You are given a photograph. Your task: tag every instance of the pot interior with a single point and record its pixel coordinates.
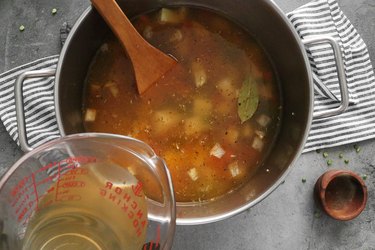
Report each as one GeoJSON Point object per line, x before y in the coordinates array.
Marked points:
{"type": "Point", "coordinates": [268, 25]}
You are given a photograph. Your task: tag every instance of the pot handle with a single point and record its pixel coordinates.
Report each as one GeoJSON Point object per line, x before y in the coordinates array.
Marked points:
{"type": "Point", "coordinates": [18, 94]}
{"type": "Point", "coordinates": [344, 93]}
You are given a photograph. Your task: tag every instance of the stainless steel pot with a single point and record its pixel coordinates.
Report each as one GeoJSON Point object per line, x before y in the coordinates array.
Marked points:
{"type": "Point", "coordinates": [266, 22]}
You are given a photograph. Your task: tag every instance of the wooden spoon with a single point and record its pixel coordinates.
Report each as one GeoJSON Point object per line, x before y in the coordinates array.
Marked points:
{"type": "Point", "coordinates": [149, 63]}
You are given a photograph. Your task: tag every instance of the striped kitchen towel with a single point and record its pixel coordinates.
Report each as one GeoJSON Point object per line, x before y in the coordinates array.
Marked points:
{"type": "Point", "coordinates": [40, 117]}
{"type": "Point", "coordinates": [319, 17]}
{"type": "Point", "coordinates": [324, 17]}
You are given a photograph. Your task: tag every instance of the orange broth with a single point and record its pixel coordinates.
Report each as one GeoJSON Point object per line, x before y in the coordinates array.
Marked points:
{"type": "Point", "coordinates": [191, 116]}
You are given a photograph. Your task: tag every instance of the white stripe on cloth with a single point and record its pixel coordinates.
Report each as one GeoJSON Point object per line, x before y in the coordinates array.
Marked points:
{"type": "Point", "coordinates": [318, 17]}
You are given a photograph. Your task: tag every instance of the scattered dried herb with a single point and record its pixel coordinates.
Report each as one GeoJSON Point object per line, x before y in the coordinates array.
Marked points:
{"type": "Point", "coordinates": [303, 180]}
{"type": "Point", "coordinates": [329, 162]}
{"type": "Point", "coordinates": [364, 177]}
{"type": "Point", "coordinates": [22, 28]}
{"type": "Point", "coordinates": [325, 154]}
{"type": "Point", "coordinates": [341, 156]}
{"type": "Point", "coordinates": [358, 149]}
{"type": "Point", "coordinates": [318, 151]}
{"type": "Point", "coordinates": [346, 161]}
{"type": "Point", "coordinates": [54, 11]}
{"type": "Point", "coordinates": [248, 99]}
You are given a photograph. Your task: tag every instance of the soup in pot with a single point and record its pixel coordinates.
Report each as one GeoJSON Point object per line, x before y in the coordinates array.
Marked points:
{"type": "Point", "coordinates": [213, 118]}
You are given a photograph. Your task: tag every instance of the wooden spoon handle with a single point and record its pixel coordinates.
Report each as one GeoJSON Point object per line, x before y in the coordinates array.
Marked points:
{"type": "Point", "coordinates": [149, 63]}
{"type": "Point", "coordinates": [119, 24]}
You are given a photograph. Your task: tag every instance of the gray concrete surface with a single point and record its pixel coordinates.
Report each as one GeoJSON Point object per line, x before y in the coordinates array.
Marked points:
{"type": "Point", "coordinates": [287, 218]}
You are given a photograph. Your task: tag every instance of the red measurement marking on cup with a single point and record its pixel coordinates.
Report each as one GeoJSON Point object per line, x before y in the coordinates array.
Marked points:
{"type": "Point", "coordinates": [25, 196]}
{"type": "Point", "coordinates": [154, 244]}
{"type": "Point", "coordinates": [26, 201]}
{"type": "Point", "coordinates": [35, 191]}
{"type": "Point", "coordinates": [66, 182]}
{"type": "Point", "coordinates": [137, 189]}
{"type": "Point", "coordinates": [45, 168]}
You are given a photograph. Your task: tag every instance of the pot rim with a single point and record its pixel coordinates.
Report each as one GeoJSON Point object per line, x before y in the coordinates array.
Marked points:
{"type": "Point", "coordinates": [226, 215]}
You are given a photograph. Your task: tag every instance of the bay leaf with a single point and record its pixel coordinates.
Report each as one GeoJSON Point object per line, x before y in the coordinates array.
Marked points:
{"type": "Point", "coordinates": [248, 99]}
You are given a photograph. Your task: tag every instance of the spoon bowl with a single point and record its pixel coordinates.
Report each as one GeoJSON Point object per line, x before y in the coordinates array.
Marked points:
{"type": "Point", "coordinates": [341, 193]}
{"type": "Point", "coordinates": [149, 63]}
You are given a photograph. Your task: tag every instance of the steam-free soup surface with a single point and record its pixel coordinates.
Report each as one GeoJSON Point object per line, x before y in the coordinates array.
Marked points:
{"type": "Point", "coordinates": [212, 118]}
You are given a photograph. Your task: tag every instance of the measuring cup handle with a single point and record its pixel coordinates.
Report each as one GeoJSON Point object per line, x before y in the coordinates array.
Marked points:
{"type": "Point", "coordinates": [344, 93]}
{"type": "Point", "coordinates": [18, 94]}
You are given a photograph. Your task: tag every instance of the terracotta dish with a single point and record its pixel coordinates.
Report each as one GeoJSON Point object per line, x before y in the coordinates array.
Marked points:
{"type": "Point", "coordinates": [342, 194]}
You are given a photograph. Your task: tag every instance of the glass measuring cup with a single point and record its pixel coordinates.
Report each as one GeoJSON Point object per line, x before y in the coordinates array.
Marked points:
{"type": "Point", "coordinates": [88, 191]}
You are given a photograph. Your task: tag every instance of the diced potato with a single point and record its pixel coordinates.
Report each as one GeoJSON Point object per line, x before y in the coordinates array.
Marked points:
{"type": "Point", "coordinates": [90, 115]}
{"type": "Point", "coordinates": [172, 16]}
{"type": "Point", "coordinates": [231, 135]}
{"type": "Point", "coordinates": [217, 151]}
{"type": "Point", "coordinates": [109, 84]}
{"type": "Point", "coordinates": [227, 89]}
{"type": "Point", "coordinates": [147, 32]}
{"type": "Point", "coordinates": [132, 170]}
{"type": "Point", "coordinates": [176, 36]}
{"type": "Point", "coordinates": [202, 106]}
{"type": "Point", "coordinates": [199, 73]}
{"type": "Point", "coordinates": [234, 169]}
{"type": "Point", "coordinates": [193, 173]}
{"type": "Point", "coordinates": [165, 120]}
{"type": "Point", "coordinates": [195, 125]}
{"type": "Point", "coordinates": [112, 87]}
{"type": "Point", "coordinates": [263, 120]}
{"type": "Point", "coordinates": [260, 134]}
{"type": "Point", "coordinates": [114, 90]}
{"type": "Point", "coordinates": [258, 144]}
